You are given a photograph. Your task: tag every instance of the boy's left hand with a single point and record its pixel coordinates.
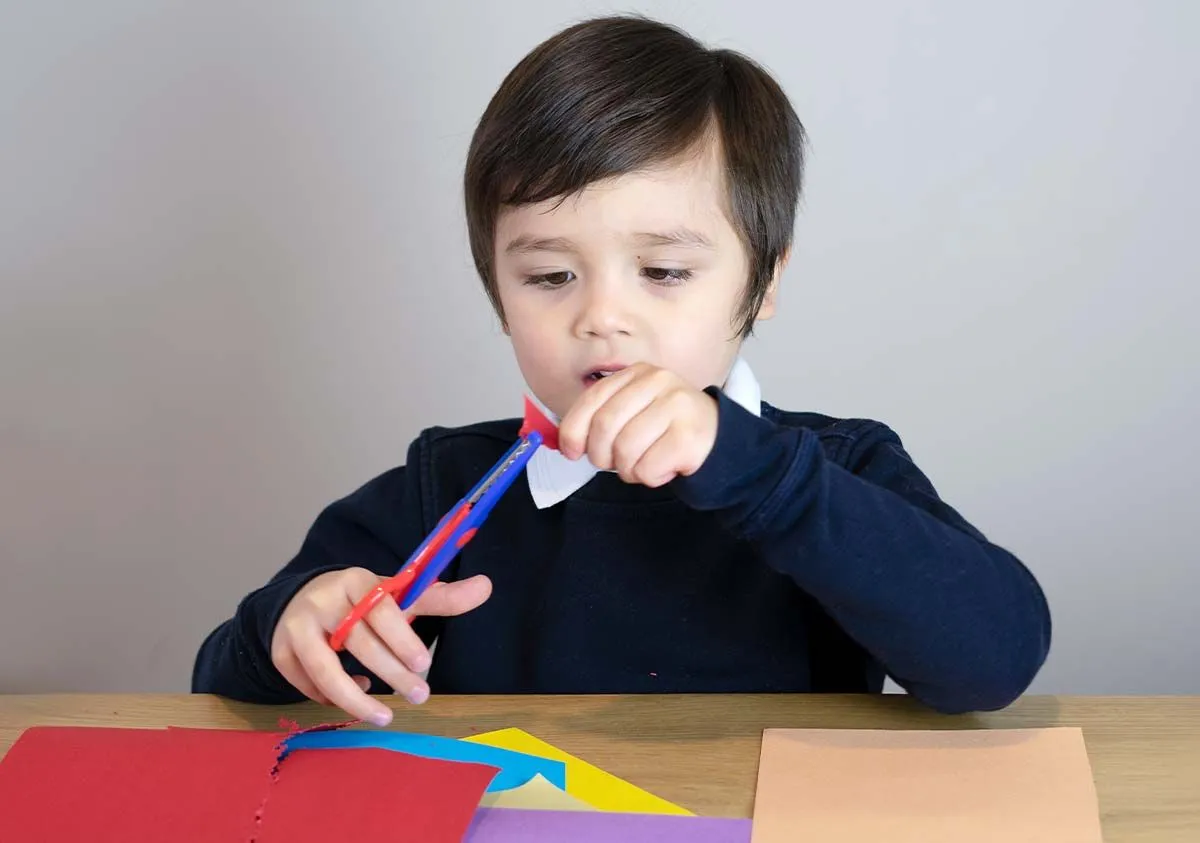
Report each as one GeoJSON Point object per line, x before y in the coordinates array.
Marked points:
{"type": "Point", "coordinates": [646, 423]}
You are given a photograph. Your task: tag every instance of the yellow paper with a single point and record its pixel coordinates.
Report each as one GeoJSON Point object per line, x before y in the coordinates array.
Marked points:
{"type": "Point", "coordinates": [539, 794]}
{"type": "Point", "coordinates": [584, 781]}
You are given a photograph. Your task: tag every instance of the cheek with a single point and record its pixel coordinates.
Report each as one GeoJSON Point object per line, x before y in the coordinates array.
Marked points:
{"type": "Point", "coordinates": [528, 340]}
{"type": "Point", "coordinates": [534, 345]}
{"type": "Point", "coordinates": [529, 323]}
{"type": "Point", "coordinates": [702, 360]}
{"type": "Point", "coordinates": [708, 316]}
{"type": "Point", "coordinates": [525, 313]}
{"type": "Point", "coordinates": [703, 343]}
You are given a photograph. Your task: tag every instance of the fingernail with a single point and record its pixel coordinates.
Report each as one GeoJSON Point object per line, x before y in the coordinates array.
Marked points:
{"type": "Point", "coordinates": [382, 718]}
{"type": "Point", "coordinates": [418, 695]}
{"type": "Point", "coordinates": [422, 662]}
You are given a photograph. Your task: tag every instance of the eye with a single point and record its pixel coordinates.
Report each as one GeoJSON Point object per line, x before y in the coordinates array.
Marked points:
{"type": "Point", "coordinates": [665, 277]}
{"type": "Point", "coordinates": [550, 280]}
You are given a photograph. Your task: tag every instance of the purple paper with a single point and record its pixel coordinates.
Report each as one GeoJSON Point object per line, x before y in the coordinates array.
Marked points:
{"type": "Point", "coordinates": [513, 825]}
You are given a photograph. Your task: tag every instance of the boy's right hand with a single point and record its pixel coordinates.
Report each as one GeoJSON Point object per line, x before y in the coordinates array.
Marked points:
{"type": "Point", "coordinates": [383, 641]}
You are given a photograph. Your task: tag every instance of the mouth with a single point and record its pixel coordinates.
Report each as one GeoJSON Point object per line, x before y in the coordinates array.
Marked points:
{"type": "Point", "coordinates": [597, 375]}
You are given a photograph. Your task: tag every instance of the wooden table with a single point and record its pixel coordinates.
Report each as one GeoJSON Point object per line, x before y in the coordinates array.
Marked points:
{"type": "Point", "coordinates": [702, 751]}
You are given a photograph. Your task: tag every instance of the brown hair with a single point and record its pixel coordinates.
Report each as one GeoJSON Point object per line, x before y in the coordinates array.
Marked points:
{"type": "Point", "coordinates": [616, 94]}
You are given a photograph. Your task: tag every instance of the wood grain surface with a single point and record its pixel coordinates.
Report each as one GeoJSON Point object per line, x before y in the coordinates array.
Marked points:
{"type": "Point", "coordinates": [702, 751]}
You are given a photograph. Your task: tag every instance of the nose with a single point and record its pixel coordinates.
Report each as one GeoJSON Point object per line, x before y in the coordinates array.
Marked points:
{"type": "Point", "coordinates": [604, 309]}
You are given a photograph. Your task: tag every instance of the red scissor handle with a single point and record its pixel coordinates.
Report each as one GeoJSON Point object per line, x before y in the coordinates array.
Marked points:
{"type": "Point", "coordinates": [396, 586]}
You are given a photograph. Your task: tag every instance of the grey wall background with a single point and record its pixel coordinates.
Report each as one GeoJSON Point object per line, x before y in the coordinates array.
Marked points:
{"type": "Point", "coordinates": [234, 283]}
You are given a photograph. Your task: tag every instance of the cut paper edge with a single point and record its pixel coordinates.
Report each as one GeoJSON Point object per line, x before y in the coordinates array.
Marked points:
{"type": "Point", "coordinates": [287, 729]}
{"type": "Point", "coordinates": [538, 418]}
{"type": "Point", "coordinates": [250, 763]}
{"type": "Point", "coordinates": [319, 793]}
{"type": "Point", "coordinates": [294, 728]}
{"type": "Point", "coordinates": [585, 781]}
{"type": "Point", "coordinates": [291, 729]}
{"type": "Point", "coordinates": [537, 794]}
{"type": "Point", "coordinates": [516, 768]}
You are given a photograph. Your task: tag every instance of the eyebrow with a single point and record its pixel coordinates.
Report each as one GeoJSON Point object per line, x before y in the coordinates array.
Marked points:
{"type": "Point", "coordinates": [525, 244]}
{"type": "Point", "coordinates": [685, 237]}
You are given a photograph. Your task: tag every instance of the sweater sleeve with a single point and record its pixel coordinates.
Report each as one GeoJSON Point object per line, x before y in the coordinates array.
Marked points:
{"type": "Point", "coordinates": [376, 527]}
{"type": "Point", "coordinates": [958, 622]}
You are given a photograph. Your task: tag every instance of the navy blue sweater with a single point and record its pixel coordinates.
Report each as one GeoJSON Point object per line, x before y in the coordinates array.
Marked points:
{"type": "Point", "coordinates": [808, 554]}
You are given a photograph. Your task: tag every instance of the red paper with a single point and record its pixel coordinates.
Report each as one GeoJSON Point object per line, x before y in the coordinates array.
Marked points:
{"type": "Point", "coordinates": [537, 420]}
{"type": "Point", "coordinates": [212, 785]}
{"type": "Point", "coordinates": [118, 785]}
{"type": "Point", "coordinates": [371, 794]}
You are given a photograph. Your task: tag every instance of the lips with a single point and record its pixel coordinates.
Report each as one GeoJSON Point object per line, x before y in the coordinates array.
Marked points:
{"type": "Point", "coordinates": [599, 374]}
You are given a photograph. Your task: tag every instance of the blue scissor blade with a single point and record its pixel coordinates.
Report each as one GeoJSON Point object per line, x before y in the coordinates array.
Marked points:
{"type": "Point", "coordinates": [485, 496]}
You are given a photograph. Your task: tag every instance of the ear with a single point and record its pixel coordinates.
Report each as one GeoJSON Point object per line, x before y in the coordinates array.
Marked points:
{"type": "Point", "coordinates": [768, 303]}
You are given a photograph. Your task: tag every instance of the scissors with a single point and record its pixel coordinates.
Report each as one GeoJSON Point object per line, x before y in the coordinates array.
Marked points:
{"type": "Point", "coordinates": [456, 528]}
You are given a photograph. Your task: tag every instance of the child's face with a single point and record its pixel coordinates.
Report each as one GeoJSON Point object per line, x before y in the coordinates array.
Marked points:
{"type": "Point", "coordinates": [645, 267]}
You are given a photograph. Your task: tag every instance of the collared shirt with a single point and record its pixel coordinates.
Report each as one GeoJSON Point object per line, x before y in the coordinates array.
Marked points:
{"type": "Point", "coordinates": [807, 554]}
{"type": "Point", "coordinates": [553, 478]}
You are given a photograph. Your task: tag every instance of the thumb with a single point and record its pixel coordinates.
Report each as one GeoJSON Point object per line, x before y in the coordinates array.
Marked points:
{"type": "Point", "coordinates": [446, 599]}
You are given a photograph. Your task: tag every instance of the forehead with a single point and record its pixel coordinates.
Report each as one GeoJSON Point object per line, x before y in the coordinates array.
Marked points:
{"type": "Point", "coordinates": [685, 193]}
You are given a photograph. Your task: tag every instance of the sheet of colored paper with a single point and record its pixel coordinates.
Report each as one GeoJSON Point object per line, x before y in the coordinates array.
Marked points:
{"type": "Point", "coordinates": [985, 786]}
{"type": "Point", "coordinates": [594, 786]}
{"type": "Point", "coordinates": [516, 768]}
{"type": "Point", "coordinates": [537, 794]}
{"type": "Point", "coordinates": [102, 785]}
{"type": "Point", "coordinates": [371, 794]}
{"type": "Point", "coordinates": [503, 825]}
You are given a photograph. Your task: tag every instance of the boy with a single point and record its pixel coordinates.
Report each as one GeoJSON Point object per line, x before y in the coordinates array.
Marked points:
{"type": "Point", "coordinates": [630, 199]}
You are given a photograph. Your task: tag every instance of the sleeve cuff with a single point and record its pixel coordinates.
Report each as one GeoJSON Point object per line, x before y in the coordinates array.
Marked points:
{"type": "Point", "coordinates": [262, 609]}
{"type": "Point", "coordinates": [739, 470]}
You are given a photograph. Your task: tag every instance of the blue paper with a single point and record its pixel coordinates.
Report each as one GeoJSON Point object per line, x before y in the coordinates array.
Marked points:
{"type": "Point", "coordinates": [516, 768]}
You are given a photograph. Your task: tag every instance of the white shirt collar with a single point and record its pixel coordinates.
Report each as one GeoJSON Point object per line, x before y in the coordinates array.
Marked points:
{"type": "Point", "coordinates": [553, 478]}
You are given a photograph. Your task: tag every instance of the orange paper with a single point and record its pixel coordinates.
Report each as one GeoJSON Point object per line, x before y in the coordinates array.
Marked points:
{"type": "Point", "coordinates": [982, 786]}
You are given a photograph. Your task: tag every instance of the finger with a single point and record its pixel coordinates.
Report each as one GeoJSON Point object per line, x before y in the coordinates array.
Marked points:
{"type": "Point", "coordinates": [636, 438]}
{"type": "Point", "coordinates": [390, 624]}
{"type": "Point", "coordinates": [322, 666]}
{"type": "Point", "coordinates": [356, 583]}
{"type": "Point", "coordinates": [375, 656]}
{"type": "Point", "coordinates": [662, 463]}
{"type": "Point", "coordinates": [446, 599]}
{"type": "Point", "coordinates": [609, 421]}
{"type": "Point", "coordinates": [289, 667]}
{"type": "Point", "coordinates": [573, 429]}
{"type": "Point", "coordinates": [618, 403]}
